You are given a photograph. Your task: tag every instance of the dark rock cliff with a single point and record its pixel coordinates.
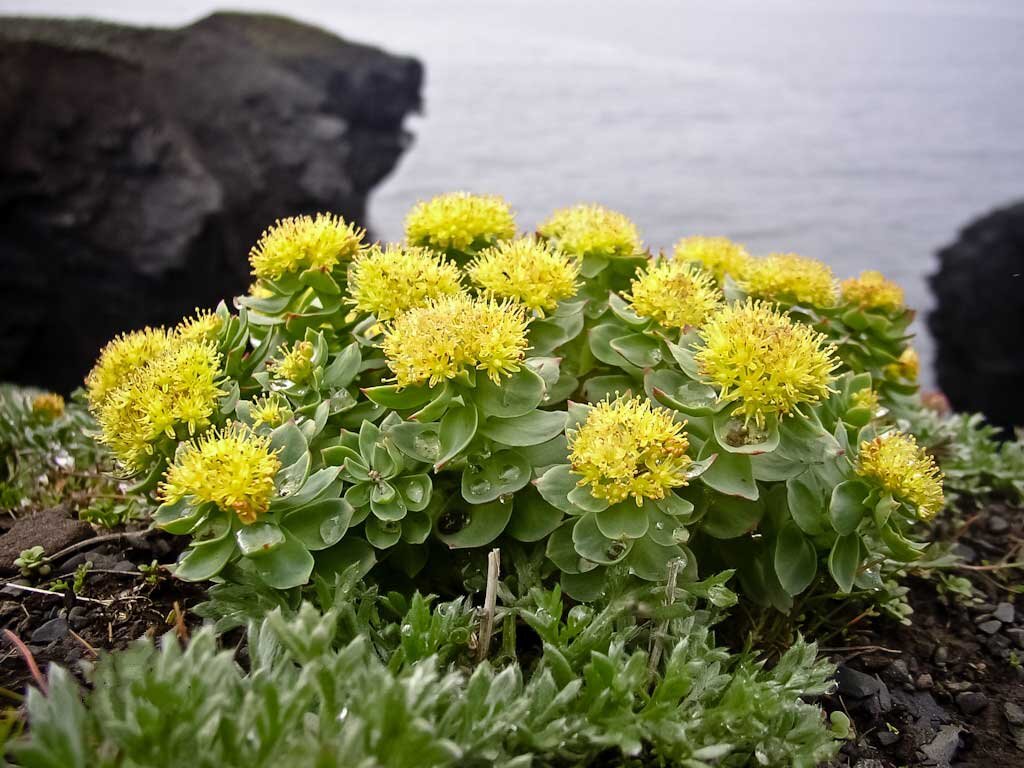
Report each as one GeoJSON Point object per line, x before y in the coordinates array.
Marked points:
{"type": "Point", "coordinates": [138, 165]}
{"type": "Point", "coordinates": [978, 322]}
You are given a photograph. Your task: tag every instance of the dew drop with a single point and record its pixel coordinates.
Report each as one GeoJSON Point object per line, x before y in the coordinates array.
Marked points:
{"type": "Point", "coordinates": [428, 446]}
{"type": "Point", "coordinates": [414, 493]}
{"type": "Point", "coordinates": [509, 473]}
{"type": "Point", "coordinates": [480, 486]}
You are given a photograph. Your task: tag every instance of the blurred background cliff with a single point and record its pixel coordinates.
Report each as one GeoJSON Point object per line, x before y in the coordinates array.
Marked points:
{"type": "Point", "coordinates": [137, 166]}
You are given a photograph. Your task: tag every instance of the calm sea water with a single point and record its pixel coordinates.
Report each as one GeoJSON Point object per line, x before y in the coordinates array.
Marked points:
{"type": "Point", "coordinates": [862, 132]}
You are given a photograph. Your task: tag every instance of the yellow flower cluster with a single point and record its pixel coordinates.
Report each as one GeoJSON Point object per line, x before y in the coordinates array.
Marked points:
{"type": "Point", "coordinates": [675, 293]}
{"type": "Point", "coordinates": [122, 356]}
{"type": "Point", "coordinates": [301, 242]}
{"type": "Point", "coordinates": [789, 278]}
{"type": "Point", "coordinates": [460, 221]}
{"type": "Point", "coordinates": [50, 406]}
{"type": "Point", "coordinates": [867, 399]}
{"type": "Point", "coordinates": [904, 469]}
{"type": "Point", "coordinates": [232, 468]}
{"type": "Point", "coordinates": [908, 366]}
{"type": "Point", "coordinates": [295, 363]}
{"type": "Point", "coordinates": [718, 255]}
{"type": "Point", "coordinates": [627, 448]}
{"type": "Point", "coordinates": [269, 409]}
{"type": "Point", "coordinates": [528, 270]}
{"type": "Point", "coordinates": [441, 339]}
{"type": "Point", "coordinates": [761, 359]}
{"type": "Point", "coordinates": [176, 388]}
{"type": "Point", "coordinates": [388, 281]}
{"type": "Point", "coordinates": [592, 230]}
{"type": "Point", "coordinates": [872, 291]}
{"type": "Point", "coordinates": [203, 326]}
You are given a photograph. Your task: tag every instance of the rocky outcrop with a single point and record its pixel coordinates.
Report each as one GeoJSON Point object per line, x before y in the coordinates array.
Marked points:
{"type": "Point", "coordinates": [137, 166]}
{"type": "Point", "coordinates": [978, 322]}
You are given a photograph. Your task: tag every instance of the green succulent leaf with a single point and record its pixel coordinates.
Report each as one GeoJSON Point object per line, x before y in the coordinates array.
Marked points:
{"type": "Point", "coordinates": [458, 428]}
{"type": "Point", "coordinates": [625, 520]}
{"type": "Point", "coordinates": [796, 560]}
{"type": "Point", "coordinates": [500, 474]}
{"type": "Point", "coordinates": [556, 484]}
{"type": "Point", "coordinates": [287, 566]}
{"type": "Point", "coordinates": [473, 525]}
{"type": "Point", "coordinates": [529, 429]}
{"type": "Point", "coordinates": [397, 398]}
{"type": "Point", "coordinates": [533, 518]}
{"type": "Point", "coordinates": [731, 473]}
{"type": "Point", "coordinates": [728, 517]}
{"type": "Point", "coordinates": [594, 546]}
{"type": "Point", "coordinates": [848, 506]}
{"type": "Point", "coordinates": [516, 395]}
{"type": "Point", "coordinates": [321, 524]}
{"type": "Point", "coordinates": [844, 561]}
{"type": "Point", "coordinates": [259, 539]}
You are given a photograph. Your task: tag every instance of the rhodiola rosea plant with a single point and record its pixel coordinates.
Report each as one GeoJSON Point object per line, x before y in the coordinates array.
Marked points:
{"type": "Point", "coordinates": [568, 390]}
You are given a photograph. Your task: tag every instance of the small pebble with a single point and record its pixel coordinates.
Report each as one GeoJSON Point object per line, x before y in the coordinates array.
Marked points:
{"type": "Point", "coordinates": [941, 654]}
{"type": "Point", "coordinates": [898, 672]}
{"type": "Point", "coordinates": [991, 627]}
{"type": "Point", "coordinates": [971, 702]}
{"type": "Point", "coordinates": [1005, 613]}
{"type": "Point", "coordinates": [924, 682]}
{"type": "Point", "coordinates": [79, 617]}
{"type": "Point", "coordinates": [982, 607]}
{"type": "Point", "coordinates": [886, 737]}
{"type": "Point", "coordinates": [997, 524]}
{"type": "Point", "coordinates": [1017, 635]}
{"type": "Point", "coordinates": [1014, 714]}
{"type": "Point", "coordinates": [52, 630]}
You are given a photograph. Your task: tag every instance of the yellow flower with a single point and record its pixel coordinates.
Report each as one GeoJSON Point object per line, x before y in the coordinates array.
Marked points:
{"type": "Point", "coordinates": [908, 366]}
{"type": "Point", "coordinates": [592, 230]}
{"type": "Point", "coordinates": [460, 221]}
{"type": "Point", "coordinates": [907, 471]}
{"type": "Point", "coordinates": [872, 291]}
{"type": "Point", "coordinates": [761, 359]}
{"type": "Point", "coordinates": [301, 242]}
{"type": "Point", "coordinates": [675, 294]}
{"type": "Point", "coordinates": [203, 326]}
{"type": "Point", "coordinates": [232, 468]}
{"type": "Point", "coordinates": [269, 409]}
{"type": "Point", "coordinates": [50, 406]}
{"type": "Point", "coordinates": [176, 390]}
{"type": "Point", "coordinates": [450, 334]}
{"type": "Point", "coordinates": [386, 282]}
{"type": "Point", "coordinates": [528, 270]}
{"type": "Point", "coordinates": [867, 399]}
{"type": "Point", "coordinates": [629, 448]}
{"type": "Point", "coordinates": [789, 278]}
{"type": "Point", "coordinates": [295, 363]}
{"type": "Point", "coordinates": [121, 357]}
{"type": "Point", "coordinates": [718, 255]}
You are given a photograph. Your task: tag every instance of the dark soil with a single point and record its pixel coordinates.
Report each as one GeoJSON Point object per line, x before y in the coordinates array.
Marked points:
{"type": "Point", "coordinates": [947, 690]}
{"type": "Point", "coordinates": [117, 603]}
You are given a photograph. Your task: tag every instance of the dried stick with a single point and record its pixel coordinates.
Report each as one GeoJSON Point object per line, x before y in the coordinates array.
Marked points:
{"type": "Point", "coordinates": [490, 599]}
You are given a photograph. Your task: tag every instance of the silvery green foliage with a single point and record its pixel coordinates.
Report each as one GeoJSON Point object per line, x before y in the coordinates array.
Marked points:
{"type": "Point", "coordinates": [970, 453]}
{"type": "Point", "coordinates": [327, 689]}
